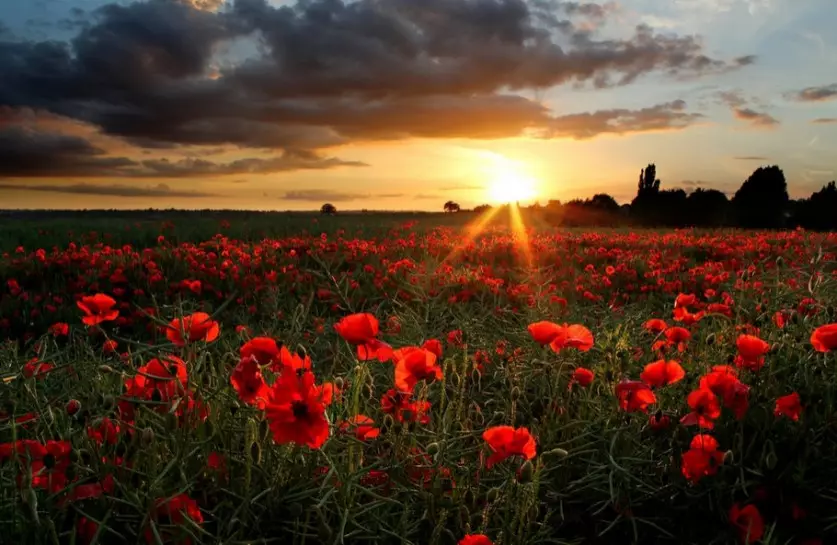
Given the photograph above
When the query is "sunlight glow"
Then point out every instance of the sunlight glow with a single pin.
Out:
(509, 182)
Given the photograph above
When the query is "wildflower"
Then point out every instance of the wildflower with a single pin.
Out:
(705, 409)
(702, 459)
(655, 325)
(751, 351)
(249, 383)
(295, 410)
(789, 406)
(662, 373)
(634, 396)
(262, 350)
(824, 338)
(583, 377)
(475, 539)
(362, 426)
(506, 441)
(97, 309)
(413, 364)
(747, 522)
(196, 327)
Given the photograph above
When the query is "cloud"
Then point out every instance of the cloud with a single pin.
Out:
(427, 196)
(667, 116)
(328, 72)
(463, 187)
(32, 153)
(742, 110)
(115, 190)
(824, 120)
(751, 158)
(323, 195)
(815, 94)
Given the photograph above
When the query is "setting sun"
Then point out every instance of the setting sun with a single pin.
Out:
(508, 181)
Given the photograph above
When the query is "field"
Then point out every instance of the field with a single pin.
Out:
(371, 379)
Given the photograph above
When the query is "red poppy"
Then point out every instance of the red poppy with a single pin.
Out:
(362, 426)
(434, 345)
(295, 410)
(249, 383)
(262, 350)
(655, 325)
(544, 332)
(659, 421)
(37, 369)
(747, 523)
(414, 364)
(583, 377)
(824, 338)
(561, 336)
(662, 373)
(705, 409)
(109, 346)
(702, 459)
(174, 511)
(105, 431)
(59, 329)
(751, 351)
(357, 328)
(198, 326)
(634, 396)
(475, 539)
(97, 309)
(374, 349)
(506, 441)
(789, 406)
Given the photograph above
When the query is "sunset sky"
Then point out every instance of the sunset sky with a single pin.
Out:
(405, 104)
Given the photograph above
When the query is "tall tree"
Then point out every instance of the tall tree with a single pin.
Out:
(762, 200)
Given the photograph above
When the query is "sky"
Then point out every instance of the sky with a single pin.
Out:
(406, 104)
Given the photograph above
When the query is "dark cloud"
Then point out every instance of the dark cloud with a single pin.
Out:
(742, 109)
(115, 190)
(751, 158)
(329, 72)
(668, 116)
(824, 120)
(816, 94)
(321, 195)
(30, 153)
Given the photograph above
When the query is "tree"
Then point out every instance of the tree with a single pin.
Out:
(328, 208)
(451, 206)
(481, 209)
(707, 208)
(819, 211)
(762, 200)
(645, 207)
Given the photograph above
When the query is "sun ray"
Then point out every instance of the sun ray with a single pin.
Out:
(472, 231)
(518, 228)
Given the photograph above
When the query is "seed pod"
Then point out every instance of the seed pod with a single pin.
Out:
(557, 453)
(147, 437)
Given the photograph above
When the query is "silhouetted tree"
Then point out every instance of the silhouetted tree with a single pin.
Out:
(762, 200)
(601, 209)
(482, 208)
(706, 208)
(328, 208)
(604, 202)
(819, 211)
(451, 206)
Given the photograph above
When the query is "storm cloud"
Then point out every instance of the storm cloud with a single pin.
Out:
(163, 74)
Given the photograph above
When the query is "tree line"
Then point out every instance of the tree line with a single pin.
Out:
(762, 202)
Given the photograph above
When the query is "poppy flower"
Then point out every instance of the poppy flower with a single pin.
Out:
(824, 338)
(434, 345)
(559, 337)
(374, 349)
(357, 328)
(105, 431)
(703, 458)
(414, 364)
(677, 336)
(751, 351)
(544, 332)
(37, 369)
(295, 411)
(655, 325)
(662, 373)
(97, 309)
(747, 522)
(634, 396)
(362, 426)
(506, 441)
(249, 383)
(198, 326)
(475, 539)
(705, 409)
(262, 350)
(789, 406)
(59, 329)
(583, 377)
(659, 421)
(173, 512)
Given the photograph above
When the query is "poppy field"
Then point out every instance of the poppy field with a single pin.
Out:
(409, 383)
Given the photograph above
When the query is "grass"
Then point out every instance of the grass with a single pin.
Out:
(601, 475)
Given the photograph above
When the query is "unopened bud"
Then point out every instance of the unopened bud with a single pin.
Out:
(526, 471)
(492, 495)
(73, 407)
(771, 460)
(728, 457)
(432, 449)
(106, 369)
(557, 453)
(147, 437)
(515, 393)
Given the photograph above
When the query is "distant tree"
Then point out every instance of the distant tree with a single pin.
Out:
(819, 211)
(604, 202)
(707, 208)
(648, 182)
(482, 208)
(451, 206)
(646, 208)
(328, 208)
(762, 200)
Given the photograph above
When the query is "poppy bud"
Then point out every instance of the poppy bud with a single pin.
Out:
(779, 261)
(107, 369)
(73, 407)
(338, 383)
(515, 393)
(370, 393)
(771, 460)
(710, 339)
(147, 437)
(256, 452)
(432, 449)
(264, 430)
(524, 474)
(492, 495)
(728, 457)
(557, 452)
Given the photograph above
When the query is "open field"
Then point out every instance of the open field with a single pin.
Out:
(691, 397)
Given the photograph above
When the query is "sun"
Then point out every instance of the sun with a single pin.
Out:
(511, 185)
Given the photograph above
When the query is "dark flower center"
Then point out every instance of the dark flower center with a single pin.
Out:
(300, 409)
(49, 461)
